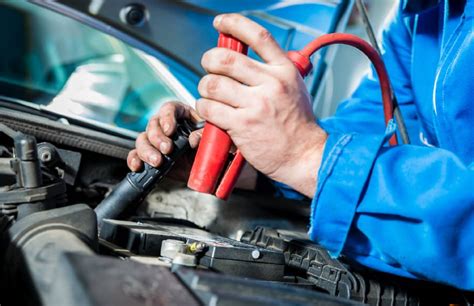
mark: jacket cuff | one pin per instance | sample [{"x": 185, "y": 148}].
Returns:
[
  {"x": 345, "y": 169},
  {"x": 285, "y": 191}
]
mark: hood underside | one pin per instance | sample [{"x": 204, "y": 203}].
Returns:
[{"x": 182, "y": 30}]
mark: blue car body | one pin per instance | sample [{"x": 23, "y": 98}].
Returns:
[{"x": 179, "y": 32}]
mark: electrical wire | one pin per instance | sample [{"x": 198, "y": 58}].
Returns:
[
  {"x": 396, "y": 108},
  {"x": 213, "y": 151},
  {"x": 374, "y": 57}
]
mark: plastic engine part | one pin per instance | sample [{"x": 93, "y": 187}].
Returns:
[{"x": 347, "y": 280}]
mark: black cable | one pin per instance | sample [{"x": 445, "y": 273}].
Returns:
[{"x": 396, "y": 109}]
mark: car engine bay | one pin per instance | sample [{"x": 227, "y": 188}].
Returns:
[{"x": 174, "y": 247}]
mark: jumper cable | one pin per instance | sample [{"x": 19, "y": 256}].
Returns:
[{"x": 214, "y": 172}]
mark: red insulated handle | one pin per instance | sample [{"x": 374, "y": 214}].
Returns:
[
  {"x": 230, "y": 177},
  {"x": 213, "y": 151},
  {"x": 304, "y": 66}
]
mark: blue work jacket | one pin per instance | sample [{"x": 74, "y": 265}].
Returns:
[{"x": 409, "y": 209}]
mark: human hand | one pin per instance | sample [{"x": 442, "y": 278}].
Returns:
[
  {"x": 264, "y": 107},
  {"x": 155, "y": 141}
]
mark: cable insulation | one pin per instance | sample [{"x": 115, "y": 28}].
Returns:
[{"x": 374, "y": 57}]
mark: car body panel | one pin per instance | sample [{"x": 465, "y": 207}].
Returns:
[{"x": 179, "y": 32}]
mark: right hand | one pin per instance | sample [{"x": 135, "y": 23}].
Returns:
[{"x": 155, "y": 141}]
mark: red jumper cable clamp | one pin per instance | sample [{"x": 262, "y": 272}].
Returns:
[{"x": 213, "y": 153}]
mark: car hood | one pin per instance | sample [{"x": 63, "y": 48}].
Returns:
[{"x": 181, "y": 31}]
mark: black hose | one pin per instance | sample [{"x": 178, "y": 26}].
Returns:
[{"x": 136, "y": 185}]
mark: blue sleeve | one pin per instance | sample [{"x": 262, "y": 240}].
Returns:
[
  {"x": 363, "y": 111},
  {"x": 406, "y": 210}
]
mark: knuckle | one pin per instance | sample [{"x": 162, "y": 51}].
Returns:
[
  {"x": 154, "y": 134},
  {"x": 280, "y": 87},
  {"x": 202, "y": 108},
  {"x": 252, "y": 66},
  {"x": 291, "y": 72},
  {"x": 248, "y": 121},
  {"x": 152, "y": 124},
  {"x": 265, "y": 35},
  {"x": 251, "y": 119},
  {"x": 265, "y": 105},
  {"x": 287, "y": 71},
  {"x": 227, "y": 58},
  {"x": 212, "y": 83},
  {"x": 142, "y": 154},
  {"x": 218, "y": 59},
  {"x": 154, "y": 118},
  {"x": 167, "y": 107},
  {"x": 141, "y": 137},
  {"x": 152, "y": 157},
  {"x": 207, "y": 85}
]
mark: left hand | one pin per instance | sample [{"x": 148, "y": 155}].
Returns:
[{"x": 264, "y": 107}]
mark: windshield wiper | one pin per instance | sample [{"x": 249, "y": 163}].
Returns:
[{"x": 42, "y": 111}]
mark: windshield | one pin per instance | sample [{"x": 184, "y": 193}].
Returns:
[{"x": 69, "y": 68}]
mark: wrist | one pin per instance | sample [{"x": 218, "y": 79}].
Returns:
[{"x": 302, "y": 172}]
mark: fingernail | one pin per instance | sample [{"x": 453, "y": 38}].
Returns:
[
  {"x": 166, "y": 127},
  {"x": 134, "y": 163},
  {"x": 154, "y": 159},
  {"x": 217, "y": 20},
  {"x": 164, "y": 146},
  {"x": 194, "y": 140}
]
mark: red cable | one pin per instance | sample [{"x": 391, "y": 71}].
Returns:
[
  {"x": 371, "y": 53},
  {"x": 213, "y": 151}
]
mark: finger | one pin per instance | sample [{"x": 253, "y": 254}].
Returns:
[
  {"x": 168, "y": 114},
  {"x": 234, "y": 65},
  {"x": 133, "y": 161},
  {"x": 157, "y": 137},
  {"x": 146, "y": 152},
  {"x": 224, "y": 89},
  {"x": 195, "y": 116},
  {"x": 195, "y": 138},
  {"x": 254, "y": 35},
  {"x": 215, "y": 112}
]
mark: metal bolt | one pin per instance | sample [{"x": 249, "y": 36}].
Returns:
[
  {"x": 197, "y": 247},
  {"x": 256, "y": 254},
  {"x": 134, "y": 15},
  {"x": 45, "y": 156}
]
